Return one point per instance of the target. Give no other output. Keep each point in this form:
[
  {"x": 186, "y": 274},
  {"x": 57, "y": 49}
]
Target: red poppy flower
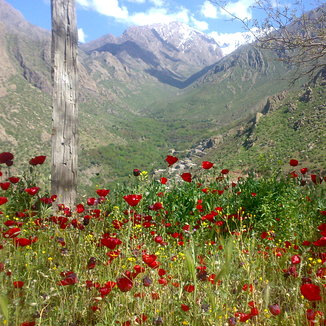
[
  {"x": 3, "y": 200},
  {"x": 110, "y": 242},
  {"x": 147, "y": 259},
  {"x": 189, "y": 288},
  {"x": 295, "y": 259},
  {"x": 207, "y": 165},
  {"x": 141, "y": 319},
  {"x": 304, "y": 170},
  {"x": 124, "y": 284},
  {"x": 321, "y": 242},
  {"x": 80, "y": 208},
  {"x": 294, "y": 162},
  {"x": 171, "y": 160},
  {"x": 12, "y": 233},
  {"x": 37, "y": 160},
  {"x": 310, "y": 291},
  {"x": 156, "y": 207},
  {"x": 274, "y": 309},
  {"x": 14, "y": 179},
  {"x": 132, "y": 200},
  {"x": 136, "y": 172},
  {"x": 103, "y": 192},
  {"x": 32, "y": 191},
  {"x": 184, "y": 307},
  {"x": 5, "y": 185},
  {"x": 70, "y": 278},
  {"x": 28, "y": 323},
  {"x": 6, "y": 157},
  {"x": 225, "y": 171},
  {"x": 186, "y": 177},
  {"x": 316, "y": 179},
  {"x": 18, "y": 284},
  {"x": 22, "y": 242},
  {"x": 163, "y": 180}
]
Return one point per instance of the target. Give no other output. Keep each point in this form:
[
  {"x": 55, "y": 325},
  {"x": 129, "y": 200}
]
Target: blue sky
[{"x": 99, "y": 17}]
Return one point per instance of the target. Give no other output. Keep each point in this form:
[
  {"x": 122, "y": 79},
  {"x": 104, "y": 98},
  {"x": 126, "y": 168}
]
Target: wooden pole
[{"x": 65, "y": 107}]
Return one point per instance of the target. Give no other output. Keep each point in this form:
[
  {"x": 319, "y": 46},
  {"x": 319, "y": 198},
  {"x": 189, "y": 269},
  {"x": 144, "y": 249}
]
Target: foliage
[{"x": 205, "y": 249}]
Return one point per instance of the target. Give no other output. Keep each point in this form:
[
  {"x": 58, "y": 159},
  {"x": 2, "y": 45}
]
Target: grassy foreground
[{"x": 197, "y": 249}]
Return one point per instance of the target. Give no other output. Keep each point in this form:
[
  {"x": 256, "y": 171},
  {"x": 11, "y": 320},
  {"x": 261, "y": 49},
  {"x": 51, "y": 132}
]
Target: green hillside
[{"x": 294, "y": 127}]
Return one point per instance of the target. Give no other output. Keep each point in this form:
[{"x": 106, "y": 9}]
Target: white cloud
[
  {"x": 240, "y": 9},
  {"x": 229, "y": 42},
  {"x": 159, "y": 15},
  {"x": 209, "y": 10},
  {"x": 200, "y": 25},
  {"x": 110, "y": 8},
  {"x": 81, "y": 35}
]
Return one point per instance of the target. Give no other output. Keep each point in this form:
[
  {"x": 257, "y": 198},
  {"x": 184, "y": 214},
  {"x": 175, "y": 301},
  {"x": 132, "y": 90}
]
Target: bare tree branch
[{"x": 298, "y": 37}]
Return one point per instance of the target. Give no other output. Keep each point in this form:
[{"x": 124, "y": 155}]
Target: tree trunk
[{"x": 65, "y": 108}]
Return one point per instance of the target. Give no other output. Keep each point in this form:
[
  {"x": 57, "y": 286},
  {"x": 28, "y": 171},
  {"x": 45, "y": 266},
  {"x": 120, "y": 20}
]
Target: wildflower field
[{"x": 202, "y": 248}]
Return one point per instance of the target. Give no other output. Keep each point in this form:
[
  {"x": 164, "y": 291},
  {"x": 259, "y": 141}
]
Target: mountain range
[{"x": 153, "y": 90}]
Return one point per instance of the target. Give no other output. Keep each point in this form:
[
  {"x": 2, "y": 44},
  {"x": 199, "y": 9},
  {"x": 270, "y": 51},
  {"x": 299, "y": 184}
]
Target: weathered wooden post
[{"x": 65, "y": 108}]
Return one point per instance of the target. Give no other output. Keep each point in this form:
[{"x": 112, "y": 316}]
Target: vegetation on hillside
[{"x": 201, "y": 250}]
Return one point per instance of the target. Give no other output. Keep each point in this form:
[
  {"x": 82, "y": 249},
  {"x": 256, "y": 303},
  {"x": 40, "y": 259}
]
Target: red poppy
[
  {"x": 321, "y": 242},
  {"x": 141, "y": 319},
  {"x": 304, "y": 170},
  {"x": 310, "y": 291},
  {"x": 14, "y": 179},
  {"x": 32, "y": 191},
  {"x": 171, "y": 160},
  {"x": 22, "y": 242},
  {"x": 132, "y": 200},
  {"x": 316, "y": 179},
  {"x": 136, "y": 172},
  {"x": 186, "y": 177},
  {"x": 225, "y": 171},
  {"x": 163, "y": 180},
  {"x": 184, "y": 307},
  {"x": 124, "y": 284},
  {"x": 207, "y": 165},
  {"x": 103, "y": 192},
  {"x": 3, "y": 200},
  {"x": 70, "y": 278},
  {"x": 274, "y": 309},
  {"x": 91, "y": 201},
  {"x": 6, "y": 157},
  {"x": 294, "y": 162},
  {"x": 189, "y": 288},
  {"x": 37, "y": 160},
  {"x": 155, "y": 207},
  {"x": 18, "y": 284},
  {"x": 110, "y": 242},
  {"x": 148, "y": 259},
  {"x": 158, "y": 239},
  {"x": 295, "y": 259},
  {"x": 80, "y": 208},
  {"x": 28, "y": 323},
  {"x": 5, "y": 185},
  {"x": 12, "y": 233}
]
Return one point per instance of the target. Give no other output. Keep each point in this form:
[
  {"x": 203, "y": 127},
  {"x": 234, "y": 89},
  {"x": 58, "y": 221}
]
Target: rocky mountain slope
[
  {"x": 140, "y": 96},
  {"x": 170, "y": 52}
]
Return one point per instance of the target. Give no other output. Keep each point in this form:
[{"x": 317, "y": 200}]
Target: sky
[{"x": 96, "y": 18}]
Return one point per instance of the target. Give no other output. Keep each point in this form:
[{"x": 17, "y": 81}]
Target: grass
[{"x": 218, "y": 250}]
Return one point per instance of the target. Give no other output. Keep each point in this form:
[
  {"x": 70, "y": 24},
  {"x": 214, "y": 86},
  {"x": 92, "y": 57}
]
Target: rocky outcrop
[{"x": 171, "y": 53}]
